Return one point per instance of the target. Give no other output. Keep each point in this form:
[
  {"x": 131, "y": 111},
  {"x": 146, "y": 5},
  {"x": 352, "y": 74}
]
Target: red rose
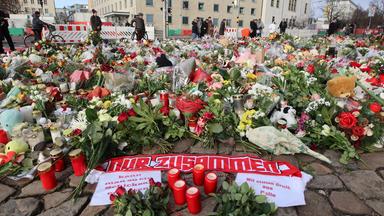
[
  {"x": 165, "y": 110},
  {"x": 133, "y": 55},
  {"x": 358, "y": 131},
  {"x": 310, "y": 68},
  {"x": 132, "y": 112},
  {"x": 106, "y": 68},
  {"x": 76, "y": 132},
  {"x": 381, "y": 77},
  {"x": 334, "y": 71},
  {"x": 366, "y": 69},
  {"x": 112, "y": 197},
  {"x": 347, "y": 120},
  {"x": 158, "y": 184},
  {"x": 122, "y": 117},
  {"x": 186, "y": 105},
  {"x": 375, "y": 107},
  {"x": 208, "y": 115},
  {"x": 152, "y": 182},
  {"x": 3, "y": 137},
  {"x": 354, "y": 64},
  {"x": 120, "y": 191}
]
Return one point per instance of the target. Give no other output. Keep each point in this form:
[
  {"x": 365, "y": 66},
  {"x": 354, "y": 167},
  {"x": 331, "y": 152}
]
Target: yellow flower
[
  {"x": 217, "y": 101},
  {"x": 107, "y": 104},
  {"x": 226, "y": 82},
  {"x": 241, "y": 126},
  {"x": 251, "y": 76},
  {"x": 132, "y": 100}
]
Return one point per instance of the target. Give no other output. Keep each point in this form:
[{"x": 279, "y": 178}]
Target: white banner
[
  {"x": 284, "y": 191},
  {"x": 108, "y": 182}
]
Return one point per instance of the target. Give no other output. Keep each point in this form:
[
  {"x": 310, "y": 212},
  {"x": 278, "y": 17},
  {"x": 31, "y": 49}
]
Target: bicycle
[
  {"x": 134, "y": 35},
  {"x": 29, "y": 39}
]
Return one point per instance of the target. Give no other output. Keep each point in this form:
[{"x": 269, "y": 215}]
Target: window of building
[
  {"x": 169, "y": 3},
  {"x": 229, "y": 9},
  {"x": 149, "y": 2},
  {"x": 294, "y": 5},
  {"x": 121, "y": 5},
  {"x": 185, "y": 5},
  {"x": 241, "y": 10},
  {"x": 253, "y": 1},
  {"x": 216, "y": 8},
  {"x": 46, "y": 10},
  {"x": 272, "y": 3},
  {"x": 26, "y": 10},
  {"x": 277, "y": 3},
  {"x": 169, "y": 19},
  {"x": 131, "y": 3},
  {"x": 185, "y": 20},
  {"x": 125, "y": 4},
  {"x": 273, "y": 19},
  {"x": 149, "y": 18},
  {"x": 305, "y": 8},
  {"x": 240, "y": 23},
  {"x": 215, "y": 21},
  {"x": 253, "y": 10},
  {"x": 228, "y": 22},
  {"x": 201, "y": 6},
  {"x": 32, "y": 1}
]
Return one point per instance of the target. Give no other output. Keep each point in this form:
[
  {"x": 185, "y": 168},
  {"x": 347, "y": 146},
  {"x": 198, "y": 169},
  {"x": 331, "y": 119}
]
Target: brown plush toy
[{"x": 341, "y": 86}]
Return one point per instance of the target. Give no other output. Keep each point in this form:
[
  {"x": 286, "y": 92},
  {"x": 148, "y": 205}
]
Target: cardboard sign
[
  {"x": 185, "y": 163},
  {"x": 108, "y": 182},
  {"x": 284, "y": 191}
]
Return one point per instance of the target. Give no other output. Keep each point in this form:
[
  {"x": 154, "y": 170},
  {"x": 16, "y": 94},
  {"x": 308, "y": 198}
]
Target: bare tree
[
  {"x": 331, "y": 11},
  {"x": 10, "y": 6}
]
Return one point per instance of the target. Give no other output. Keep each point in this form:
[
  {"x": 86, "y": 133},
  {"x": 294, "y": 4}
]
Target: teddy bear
[{"x": 341, "y": 86}]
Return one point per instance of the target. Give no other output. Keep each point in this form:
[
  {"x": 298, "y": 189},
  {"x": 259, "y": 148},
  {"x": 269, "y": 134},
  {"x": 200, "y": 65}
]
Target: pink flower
[
  {"x": 198, "y": 130},
  {"x": 201, "y": 122},
  {"x": 208, "y": 115},
  {"x": 315, "y": 97},
  {"x": 216, "y": 86}
]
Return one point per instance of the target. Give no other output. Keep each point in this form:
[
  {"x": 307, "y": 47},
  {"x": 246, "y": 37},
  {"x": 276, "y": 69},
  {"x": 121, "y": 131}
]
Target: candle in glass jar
[
  {"x": 210, "y": 183},
  {"x": 47, "y": 175},
  {"x": 179, "y": 189},
  {"x": 173, "y": 175},
  {"x": 78, "y": 162},
  {"x": 55, "y": 132},
  {"x": 58, "y": 161},
  {"x": 192, "y": 123},
  {"x": 198, "y": 174},
  {"x": 193, "y": 200}
]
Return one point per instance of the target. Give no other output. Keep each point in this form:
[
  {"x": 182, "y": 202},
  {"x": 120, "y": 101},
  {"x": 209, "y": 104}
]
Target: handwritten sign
[
  {"x": 108, "y": 182},
  {"x": 284, "y": 191}
]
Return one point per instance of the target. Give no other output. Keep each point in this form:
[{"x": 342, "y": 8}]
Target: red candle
[
  {"x": 179, "y": 189},
  {"x": 47, "y": 175},
  {"x": 173, "y": 175},
  {"x": 58, "y": 161},
  {"x": 210, "y": 183},
  {"x": 78, "y": 162},
  {"x": 193, "y": 200},
  {"x": 164, "y": 98},
  {"x": 198, "y": 174}
]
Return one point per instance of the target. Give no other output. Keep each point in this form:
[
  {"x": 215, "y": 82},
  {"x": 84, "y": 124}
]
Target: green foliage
[{"x": 241, "y": 200}]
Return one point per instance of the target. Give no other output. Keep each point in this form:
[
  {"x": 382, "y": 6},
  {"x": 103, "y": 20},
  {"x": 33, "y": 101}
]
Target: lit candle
[
  {"x": 210, "y": 183},
  {"x": 58, "y": 161},
  {"x": 193, "y": 200},
  {"x": 179, "y": 189},
  {"x": 173, "y": 175},
  {"x": 198, "y": 174},
  {"x": 78, "y": 162},
  {"x": 47, "y": 175}
]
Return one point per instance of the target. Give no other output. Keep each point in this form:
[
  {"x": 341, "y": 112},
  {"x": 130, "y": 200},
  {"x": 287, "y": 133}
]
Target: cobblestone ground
[{"x": 353, "y": 189}]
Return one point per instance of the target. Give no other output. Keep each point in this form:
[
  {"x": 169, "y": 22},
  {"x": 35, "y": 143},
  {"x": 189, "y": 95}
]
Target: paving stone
[
  {"x": 90, "y": 188},
  {"x": 381, "y": 172},
  {"x": 74, "y": 181},
  {"x": 63, "y": 175},
  {"x": 334, "y": 156},
  {"x": 172, "y": 207},
  {"x": 6, "y": 191},
  {"x": 183, "y": 145},
  {"x": 93, "y": 210},
  {"x": 372, "y": 161},
  {"x": 20, "y": 183},
  {"x": 230, "y": 141},
  {"x": 286, "y": 158},
  {"x": 151, "y": 150},
  {"x": 225, "y": 149},
  {"x": 207, "y": 207},
  {"x": 69, "y": 208},
  {"x": 305, "y": 158},
  {"x": 20, "y": 207},
  {"x": 325, "y": 182},
  {"x": 240, "y": 148},
  {"x": 377, "y": 205},
  {"x": 109, "y": 212},
  {"x": 316, "y": 205},
  {"x": 290, "y": 211},
  {"x": 199, "y": 149},
  {"x": 36, "y": 189},
  {"x": 348, "y": 203},
  {"x": 55, "y": 199},
  {"x": 365, "y": 184},
  {"x": 320, "y": 169}
]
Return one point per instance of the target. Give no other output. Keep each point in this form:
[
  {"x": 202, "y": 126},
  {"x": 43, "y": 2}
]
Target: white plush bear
[{"x": 286, "y": 113}]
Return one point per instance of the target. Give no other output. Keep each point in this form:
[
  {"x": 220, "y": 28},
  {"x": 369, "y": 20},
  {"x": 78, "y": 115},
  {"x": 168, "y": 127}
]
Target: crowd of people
[{"x": 201, "y": 27}]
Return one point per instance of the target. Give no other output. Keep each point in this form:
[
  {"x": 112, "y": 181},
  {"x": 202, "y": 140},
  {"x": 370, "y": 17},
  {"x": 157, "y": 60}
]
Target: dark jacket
[
  {"x": 195, "y": 29},
  {"x": 222, "y": 28},
  {"x": 96, "y": 23},
  {"x": 253, "y": 26},
  {"x": 37, "y": 24},
  {"x": 139, "y": 23},
  {"x": 162, "y": 61},
  {"x": 204, "y": 28}
]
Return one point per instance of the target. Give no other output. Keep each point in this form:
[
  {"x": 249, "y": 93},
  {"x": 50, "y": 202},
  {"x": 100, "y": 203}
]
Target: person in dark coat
[
  {"x": 253, "y": 27},
  {"x": 162, "y": 61},
  {"x": 204, "y": 28},
  {"x": 283, "y": 26},
  {"x": 332, "y": 28},
  {"x": 95, "y": 21},
  {"x": 195, "y": 30},
  {"x": 222, "y": 27},
  {"x": 37, "y": 25},
  {"x": 139, "y": 24},
  {"x": 4, "y": 32}
]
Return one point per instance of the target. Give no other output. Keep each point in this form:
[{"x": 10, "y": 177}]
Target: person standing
[
  {"x": 139, "y": 26},
  {"x": 199, "y": 25},
  {"x": 272, "y": 27},
  {"x": 195, "y": 31},
  {"x": 37, "y": 25},
  {"x": 222, "y": 27},
  {"x": 95, "y": 21},
  {"x": 260, "y": 27},
  {"x": 253, "y": 26},
  {"x": 204, "y": 28},
  {"x": 4, "y": 32},
  {"x": 210, "y": 27},
  {"x": 283, "y": 26},
  {"x": 332, "y": 28}
]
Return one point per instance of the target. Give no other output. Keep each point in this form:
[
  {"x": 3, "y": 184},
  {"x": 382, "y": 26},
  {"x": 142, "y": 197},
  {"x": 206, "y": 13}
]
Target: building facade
[{"x": 30, "y": 6}]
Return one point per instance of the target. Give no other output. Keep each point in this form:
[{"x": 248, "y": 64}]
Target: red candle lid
[
  {"x": 211, "y": 176},
  {"x": 179, "y": 184},
  {"x": 192, "y": 190},
  {"x": 173, "y": 171},
  {"x": 199, "y": 167}
]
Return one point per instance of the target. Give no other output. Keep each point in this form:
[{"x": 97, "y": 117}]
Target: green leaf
[
  {"x": 244, "y": 188},
  {"x": 238, "y": 196},
  {"x": 244, "y": 199},
  {"x": 147, "y": 212},
  {"x": 215, "y": 128},
  {"x": 225, "y": 185},
  {"x": 261, "y": 199},
  {"x": 91, "y": 115},
  {"x": 129, "y": 213}
]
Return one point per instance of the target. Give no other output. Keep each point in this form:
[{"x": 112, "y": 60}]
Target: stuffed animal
[
  {"x": 341, "y": 86},
  {"x": 3, "y": 137},
  {"x": 12, "y": 150},
  {"x": 286, "y": 113},
  {"x": 9, "y": 119}
]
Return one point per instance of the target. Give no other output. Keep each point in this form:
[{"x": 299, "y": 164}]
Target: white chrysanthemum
[
  {"x": 120, "y": 100},
  {"x": 80, "y": 122}
]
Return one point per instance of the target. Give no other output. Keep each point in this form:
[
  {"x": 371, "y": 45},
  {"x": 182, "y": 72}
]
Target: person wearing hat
[
  {"x": 37, "y": 25},
  {"x": 4, "y": 32},
  {"x": 95, "y": 21},
  {"x": 139, "y": 24}
]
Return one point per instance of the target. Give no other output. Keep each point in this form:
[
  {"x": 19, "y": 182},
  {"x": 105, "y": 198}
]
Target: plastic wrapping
[{"x": 181, "y": 72}]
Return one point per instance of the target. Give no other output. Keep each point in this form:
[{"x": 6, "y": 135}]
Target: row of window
[
  {"x": 33, "y": 2},
  {"x": 292, "y": 5},
  {"x": 277, "y": 3},
  {"x": 185, "y": 20}
]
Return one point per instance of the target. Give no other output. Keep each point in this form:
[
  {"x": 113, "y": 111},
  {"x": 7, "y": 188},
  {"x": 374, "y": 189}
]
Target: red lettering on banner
[
  {"x": 271, "y": 167},
  {"x": 163, "y": 162},
  {"x": 240, "y": 164},
  {"x": 142, "y": 162},
  {"x": 219, "y": 163},
  {"x": 188, "y": 163},
  {"x": 204, "y": 161}
]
